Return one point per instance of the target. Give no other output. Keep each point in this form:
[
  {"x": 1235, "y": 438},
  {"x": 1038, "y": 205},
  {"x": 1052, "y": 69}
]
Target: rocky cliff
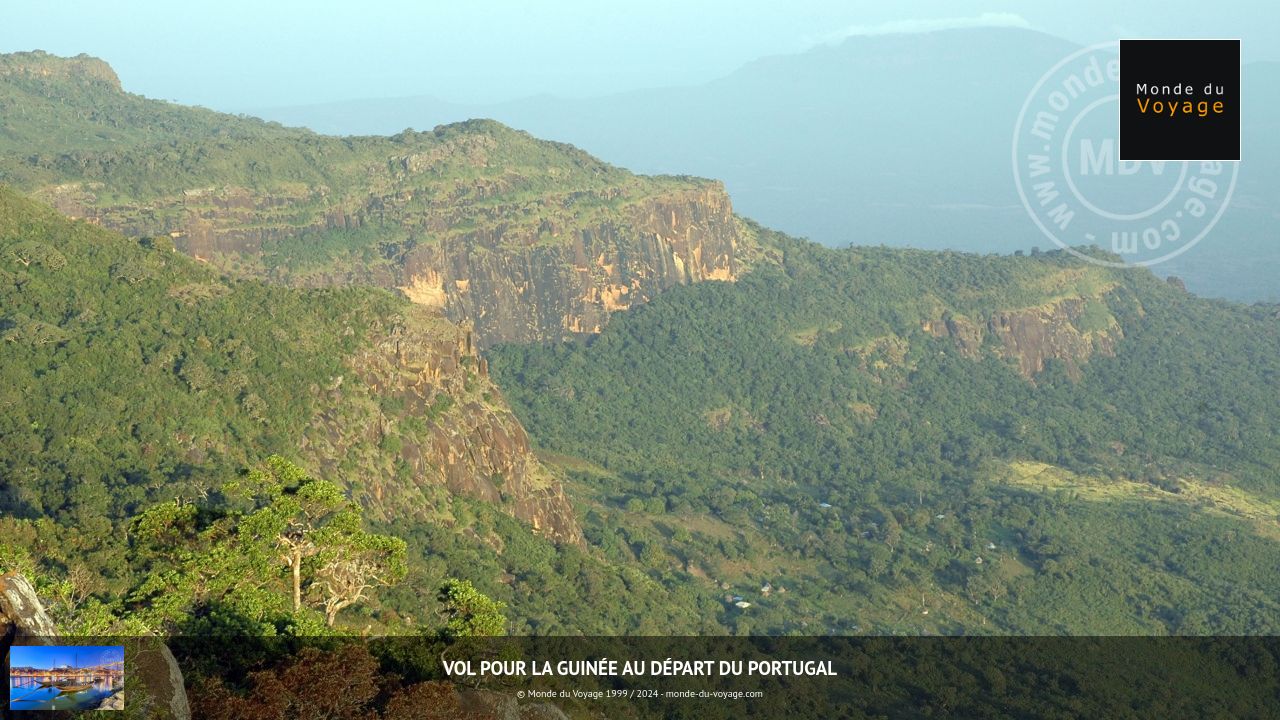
[
  {"x": 419, "y": 404},
  {"x": 514, "y": 283},
  {"x": 564, "y": 277},
  {"x": 1068, "y": 330},
  {"x": 362, "y": 387},
  {"x": 43, "y": 67},
  {"x": 518, "y": 268},
  {"x": 528, "y": 240}
]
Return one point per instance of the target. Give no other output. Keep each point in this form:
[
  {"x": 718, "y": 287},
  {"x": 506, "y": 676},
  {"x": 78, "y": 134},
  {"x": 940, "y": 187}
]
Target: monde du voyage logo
[{"x": 1131, "y": 147}]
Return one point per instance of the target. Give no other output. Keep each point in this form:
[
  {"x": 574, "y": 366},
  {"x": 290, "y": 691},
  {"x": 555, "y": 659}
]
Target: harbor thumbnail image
[{"x": 66, "y": 677}]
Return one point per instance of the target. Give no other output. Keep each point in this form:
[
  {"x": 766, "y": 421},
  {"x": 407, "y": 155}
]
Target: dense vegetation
[
  {"x": 799, "y": 429},
  {"x": 128, "y": 367},
  {"x": 70, "y": 134},
  {"x": 133, "y": 378},
  {"x": 795, "y": 440},
  {"x": 843, "y": 441}
]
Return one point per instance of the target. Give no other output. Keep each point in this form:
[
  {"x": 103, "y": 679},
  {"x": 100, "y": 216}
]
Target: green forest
[
  {"x": 862, "y": 440},
  {"x": 137, "y": 381},
  {"x": 795, "y": 441},
  {"x": 361, "y": 403},
  {"x": 799, "y": 430}
]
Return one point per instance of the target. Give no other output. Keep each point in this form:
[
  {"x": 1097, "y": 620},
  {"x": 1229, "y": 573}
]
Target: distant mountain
[{"x": 896, "y": 139}]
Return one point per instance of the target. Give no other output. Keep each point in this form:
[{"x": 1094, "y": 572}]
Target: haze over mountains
[{"x": 894, "y": 139}]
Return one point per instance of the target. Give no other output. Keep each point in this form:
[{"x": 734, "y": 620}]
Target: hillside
[
  {"x": 927, "y": 442},
  {"x": 526, "y": 239},
  {"x": 858, "y": 440},
  {"x": 839, "y": 437},
  {"x": 132, "y": 376}
]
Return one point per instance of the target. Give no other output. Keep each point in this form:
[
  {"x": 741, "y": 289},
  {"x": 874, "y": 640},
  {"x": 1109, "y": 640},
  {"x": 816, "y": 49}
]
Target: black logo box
[{"x": 1185, "y": 67}]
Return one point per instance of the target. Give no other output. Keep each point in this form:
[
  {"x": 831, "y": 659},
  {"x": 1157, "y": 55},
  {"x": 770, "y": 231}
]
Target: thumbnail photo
[{"x": 66, "y": 677}]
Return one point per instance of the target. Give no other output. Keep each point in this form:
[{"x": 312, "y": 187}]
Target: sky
[
  {"x": 237, "y": 55},
  {"x": 45, "y": 657}
]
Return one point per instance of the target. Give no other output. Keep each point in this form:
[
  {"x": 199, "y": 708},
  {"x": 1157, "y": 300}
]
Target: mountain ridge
[
  {"x": 526, "y": 239},
  {"x": 900, "y": 139}
]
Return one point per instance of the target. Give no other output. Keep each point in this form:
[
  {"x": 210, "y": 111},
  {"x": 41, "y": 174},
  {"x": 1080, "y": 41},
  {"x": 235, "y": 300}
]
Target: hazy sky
[{"x": 242, "y": 54}]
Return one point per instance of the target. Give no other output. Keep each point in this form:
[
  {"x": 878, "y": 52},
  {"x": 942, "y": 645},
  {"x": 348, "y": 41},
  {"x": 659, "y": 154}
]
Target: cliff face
[
  {"x": 528, "y": 240},
  {"x": 528, "y": 270},
  {"x": 565, "y": 278},
  {"x": 419, "y": 404},
  {"x": 1069, "y": 330},
  {"x": 41, "y": 66}
]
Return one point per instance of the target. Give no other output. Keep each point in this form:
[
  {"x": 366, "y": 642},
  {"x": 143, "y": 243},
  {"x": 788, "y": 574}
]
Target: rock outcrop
[
  {"x": 434, "y": 419},
  {"x": 1068, "y": 330},
  {"x": 22, "y": 616},
  {"x": 1037, "y": 335},
  {"x": 152, "y": 663},
  {"x": 42, "y": 66},
  {"x": 515, "y": 287},
  {"x": 515, "y": 280}
]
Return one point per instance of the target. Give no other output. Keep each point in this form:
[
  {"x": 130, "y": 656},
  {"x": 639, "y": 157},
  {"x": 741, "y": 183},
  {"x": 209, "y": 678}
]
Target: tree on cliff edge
[{"x": 230, "y": 558}]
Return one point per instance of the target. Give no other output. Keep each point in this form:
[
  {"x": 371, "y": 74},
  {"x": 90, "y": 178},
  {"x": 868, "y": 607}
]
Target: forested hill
[
  {"x": 919, "y": 442},
  {"x": 137, "y": 381},
  {"x": 862, "y": 440},
  {"x": 527, "y": 239},
  {"x": 132, "y": 373}
]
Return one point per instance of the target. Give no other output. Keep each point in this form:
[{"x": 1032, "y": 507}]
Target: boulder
[
  {"x": 22, "y": 617},
  {"x": 151, "y": 663}
]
